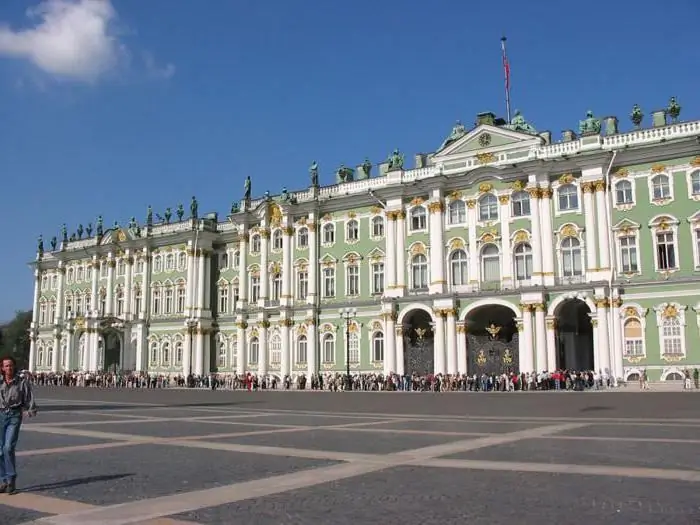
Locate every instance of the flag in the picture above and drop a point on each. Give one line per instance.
(506, 64)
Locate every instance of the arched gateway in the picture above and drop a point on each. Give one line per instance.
(418, 342)
(575, 347)
(492, 340)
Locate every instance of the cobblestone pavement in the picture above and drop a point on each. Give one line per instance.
(174, 457)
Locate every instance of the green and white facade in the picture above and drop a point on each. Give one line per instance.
(500, 219)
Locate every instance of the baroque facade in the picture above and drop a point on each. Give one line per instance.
(502, 250)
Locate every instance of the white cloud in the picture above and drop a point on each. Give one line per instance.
(73, 39)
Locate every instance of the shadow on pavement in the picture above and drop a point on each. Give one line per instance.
(75, 482)
(117, 406)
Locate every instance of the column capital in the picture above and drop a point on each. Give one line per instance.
(436, 207)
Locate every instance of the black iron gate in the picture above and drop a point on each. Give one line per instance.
(492, 356)
(418, 356)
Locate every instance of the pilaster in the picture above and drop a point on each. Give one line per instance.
(606, 247)
(401, 252)
(313, 270)
(551, 343)
(285, 335)
(95, 298)
(35, 319)
(312, 342)
(589, 213)
(146, 289)
(399, 342)
(541, 337)
(617, 343)
(56, 354)
(438, 283)
(452, 354)
(287, 298)
(390, 329)
(462, 366)
(241, 346)
(525, 340)
(264, 357)
(60, 295)
(473, 248)
(243, 266)
(199, 350)
(109, 299)
(440, 342)
(128, 285)
(507, 262)
(188, 349)
(603, 340)
(264, 270)
(390, 256)
(536, 235)
(547, 227)
(191, 296)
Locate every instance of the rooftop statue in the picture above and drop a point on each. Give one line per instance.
(673, 110)
(40, 245)
(167, 214)
(99, 226)
(180, 212)
(518, 123)
(344, 174)
(246, 189)
(313, 172)
(64, 233)
(115, 226)
(149, 215)
(367, 167)
(88, 230)
(193, 207)
(234, 207)
(395, 160)
(458, 131)
(590, 125)
(637, 116)
(80, 231)
(54, 243)
(133, 224)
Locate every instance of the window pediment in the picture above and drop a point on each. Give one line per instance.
(663, 222)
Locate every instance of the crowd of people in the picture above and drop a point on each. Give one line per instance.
(558, 380)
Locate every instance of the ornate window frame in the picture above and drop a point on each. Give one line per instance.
(455, 248)
(275, 351)
(655, 174)
(277, 240)
(627, 228)
(480, 204)
(223, 293)
(253, 273)
(375, 257)
(417, 210)
(664, 224)
(625, 206)
(352, 260)
(570, 230)
(671, 311)
(694, 223)
(557, 187)
(301, 267)
(352, 230)
(329, 263)
(377, 333)
(253, 343)
(373, 221)
(694, 171)
(418, 249)
(328, 231)
(515, 193)
(301, 336)
(255, 244)
(328, 335)
(627, 312)
(222, 351)
(302, 233)
(453, 203)
(499, 255)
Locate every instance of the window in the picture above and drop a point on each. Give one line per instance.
(70, 275)
(491, 264)
(155, 301)
(488, 208)
(255, 244)
(81, 351)
(352, 231)
(302, 284)
(277, 240)
(120, 301)
(276, 286)
(302, 349)
(328, 282)
(52, 311)
(223, 298)
(169, 262)
(418, 219)
(328, 348)
(568, 197)
(520, 204)
(181, 261)
(634, 338)
(168, 300)
(181, 294)
(103, 301)
(523, 262)
(236, 259)
(378, 278)
(69, 304)
(235, 295)
(139, 267)
(54, 282)
(223, 261)
(157, 264)
(328, 233)
(419, 272)
(179, 351)
(303, 237)
(80, 273)
(222, 356)
(628, 254)
(697, 246)
(571, 257)
(665, 251)
(354, 349)
(165, 354)
(378, 347)
(459, 267)
(457, 212)
(154, 353)
(671, 336)
(254, 288)
(42, 313)
(377, 226)
(254, 351)
(353, 280)
(623, 192)
(275, 350)
(138, 297)
(660, 187)
(695, 183)
(234, 354)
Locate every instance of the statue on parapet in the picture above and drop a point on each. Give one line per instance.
(64, 233)
(99, 226)
(247, 189)
(133, 225)
(590, 125)
(80, 231)
(235, 208)
(193, 208)
(367, 168)
(180, 212)
(313, 172)
(54, 243)
(88, 230)
(458, 131)
(637, 116)
(167, 215)
(149, 216)
(40, 245)
(673, 110)
(518, 123)
(396, 160)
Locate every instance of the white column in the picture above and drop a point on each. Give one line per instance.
(401, 251)
(596, 345)
(109, 299)
(589, 214)
(390, 349)
(243, 267)
(285, 327)
(56, 357)
(95, 299)
(437, 248)
(603, 337)
(439, 347)
(198, 353)
(264, 270)
(188, 349)
(60, 295)
(551, 344)
(71, 361)
(128, 285)
(390, 256)
(313, 274)
(525, 341)
(547, 228)
(146, 288)
(506, 247)
(206, 357)
(451, 342)
(206, 263)
(35, 320)
(142, 348)
(603, 226)
(462, 366)
(263, 357)
(541, 338)
(241, 347)
(94, 350)
(473, 248)
(201, 282)
(191, 298)
(398, 341)
(287, 298)
(536, 235)
(312, 350)
(616, 329)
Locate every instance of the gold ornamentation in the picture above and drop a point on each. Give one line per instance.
(671, 358)
(456, 244)
(328, 262)
(121, 236)
(436, 207)
(471, 203)
(242, 324)
(599, 185)
(309, 321)
(658, 168)
(695, 162)
(601, 302)
(254, 332)
(454, 195)
(663, 224)
(484, 139)
(79, 323)
(539, 307)
(485, 187)
(327, 217)
(461, 329)
(418, 249)
(400, 215)
(566, 178)
(417, 201)
(481, 358)
(518, 185)
(353, 328)
(487, 238)
(275, 268)
(265, 323)
(286, 323)
(616, 303)
(630, 311)
(264, 233)
(352, 215)
(533, 192)
(493, 330)
(587, 187)
(594, 323)
(551, 324)
(504, 199)
(311, 226)
(634, 359)
(376, 326)
(274, 213)
(288, 230)
(520, 326)
(521, 236)
(546, 193)
(507, 357)
(375, 210)
(485, 158)
(622, 173)
(670, 311)
(568, 231)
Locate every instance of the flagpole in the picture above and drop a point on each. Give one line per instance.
(506, 73)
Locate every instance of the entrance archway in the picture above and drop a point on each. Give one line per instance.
(492, 340)
(112, 348)
(418, 354)
(575, 346)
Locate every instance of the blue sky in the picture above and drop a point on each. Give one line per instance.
(112, 107)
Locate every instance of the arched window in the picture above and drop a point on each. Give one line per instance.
(302, 349)
(179, 352)
(328, 348)
(377, 226)
(352, 230)
(419, 272)
(328, 233)
(169, 262)
(165, 354)
(660, 187)
(275, 350)
(277, 240)
(490, 263)
(623, 192)
(181, 294)
(120, 301)
(523, 261)
(154, 353)
(169, 294)
(70, 275)
(378, 347)
(354, 349)
(457, 212)
(568, 197)
(223, 261)
(633, 337)
(695, 183)
(671, 337)
(156, 300)
(255, 243)
(488, 208)
(459, 266)
(138, 297)
(157, 264)
(234, 354)
(253, 351)
(222, 356)
(303, 237)
(520, 204)
(418, 219)
(181, 261)
(571, 257)
(276, 286)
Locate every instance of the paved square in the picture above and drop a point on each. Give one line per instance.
(173, 457)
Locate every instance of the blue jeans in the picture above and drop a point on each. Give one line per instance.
(9, 433)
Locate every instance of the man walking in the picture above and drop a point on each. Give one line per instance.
(16, 397)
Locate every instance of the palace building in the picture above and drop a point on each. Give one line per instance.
(503, 250)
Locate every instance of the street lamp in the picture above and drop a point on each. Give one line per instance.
(347, 314)
(191, 325)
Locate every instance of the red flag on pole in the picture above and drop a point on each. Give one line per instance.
(506, 73)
